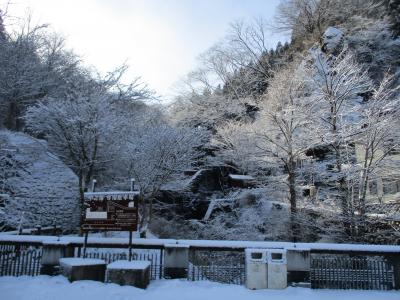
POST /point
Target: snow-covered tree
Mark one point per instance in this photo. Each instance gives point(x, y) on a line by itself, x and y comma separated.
point(301, 16)
point(157, 153)
point(236, 144)
point(337, 83)
point(285, 130)
point(281, 134)
point(76, 127)
point(378, 138)
point(208, 110)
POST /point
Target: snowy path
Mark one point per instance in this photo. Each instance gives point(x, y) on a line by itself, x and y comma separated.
point(52, 288)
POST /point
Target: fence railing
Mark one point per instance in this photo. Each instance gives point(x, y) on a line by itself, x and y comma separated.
point(344, 272)
point(17, 260)
point(330, 265)
point(38, 230)
point(155, 256)
point(218, 266)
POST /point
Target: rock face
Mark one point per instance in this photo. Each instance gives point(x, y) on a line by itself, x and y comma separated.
point(41, 189)
point(332, 39)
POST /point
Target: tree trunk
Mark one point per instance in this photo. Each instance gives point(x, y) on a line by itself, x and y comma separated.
point(81, 201)
point(11, 121)
point(361, 201)
point(90, 172)
point(143, 216)
point(293, 201)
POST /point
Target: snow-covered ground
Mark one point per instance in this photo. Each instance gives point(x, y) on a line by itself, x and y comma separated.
point(51, 288)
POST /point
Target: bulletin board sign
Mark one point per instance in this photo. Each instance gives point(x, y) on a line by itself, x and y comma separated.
point(110, 212)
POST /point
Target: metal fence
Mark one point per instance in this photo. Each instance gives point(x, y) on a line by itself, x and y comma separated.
point(218, 266)
point(333, 270)
point(155, 256)
point(339, 271)
point(17, 260)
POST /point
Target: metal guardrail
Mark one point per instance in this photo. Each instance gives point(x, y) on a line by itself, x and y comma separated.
point(332, 265)
point(344, 272)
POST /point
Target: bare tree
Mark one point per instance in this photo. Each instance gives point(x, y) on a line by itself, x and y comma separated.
point(156, 154)
point(301, 16)
point(236, 144)
point(379, 137)
point(284, 131)
point(242, 51)
point(338, 81)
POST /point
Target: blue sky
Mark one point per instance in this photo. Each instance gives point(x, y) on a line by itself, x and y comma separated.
point(160, 39)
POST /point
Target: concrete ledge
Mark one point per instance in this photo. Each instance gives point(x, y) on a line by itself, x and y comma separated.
point(83, 269)
point(52, 253)
point(176, 261)
point(298, 265)
point(124, 272)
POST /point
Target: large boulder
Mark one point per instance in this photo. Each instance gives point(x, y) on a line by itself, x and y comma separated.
point(37, 187)
point(332, 40)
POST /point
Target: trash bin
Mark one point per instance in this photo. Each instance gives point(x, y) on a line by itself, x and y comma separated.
point(256, 269)
point(276, 269)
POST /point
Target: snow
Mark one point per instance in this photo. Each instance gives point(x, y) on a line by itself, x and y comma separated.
point(49, 288)
point(115, 195)
point(43, 190)
point(240, 177)
point(74, 261)
point(201, 243)
point(332, 38)
point(176, 246)
point(129, 265)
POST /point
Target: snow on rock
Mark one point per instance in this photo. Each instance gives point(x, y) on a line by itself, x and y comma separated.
point(42, 189)
point(129, 265)
point(46, 288)
point(331, 39)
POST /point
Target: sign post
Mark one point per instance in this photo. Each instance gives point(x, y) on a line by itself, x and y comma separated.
point(110, 211)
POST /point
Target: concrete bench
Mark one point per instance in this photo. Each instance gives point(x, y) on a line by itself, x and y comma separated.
point(124, 272)
point(83, 269)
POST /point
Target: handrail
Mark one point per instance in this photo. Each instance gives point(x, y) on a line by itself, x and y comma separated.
point(220, 245)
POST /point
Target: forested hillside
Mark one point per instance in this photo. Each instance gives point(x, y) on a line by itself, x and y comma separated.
point(299, 141)
point(315, 121)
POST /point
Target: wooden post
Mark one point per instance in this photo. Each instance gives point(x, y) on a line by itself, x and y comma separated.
point(394, 260)
point(85, 243)
point(132, 184)
point(94, 185)
point(130, 245)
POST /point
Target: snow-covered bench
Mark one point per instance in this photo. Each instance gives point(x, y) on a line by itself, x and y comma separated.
point(83, 269)
point(124, 272)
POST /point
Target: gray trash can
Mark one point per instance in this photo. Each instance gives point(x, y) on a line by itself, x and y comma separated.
point(256, 269)
point(277, 269)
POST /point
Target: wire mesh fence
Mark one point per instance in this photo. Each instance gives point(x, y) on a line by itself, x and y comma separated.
point(218, 266)
point(345, 272)
point(155, 256)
